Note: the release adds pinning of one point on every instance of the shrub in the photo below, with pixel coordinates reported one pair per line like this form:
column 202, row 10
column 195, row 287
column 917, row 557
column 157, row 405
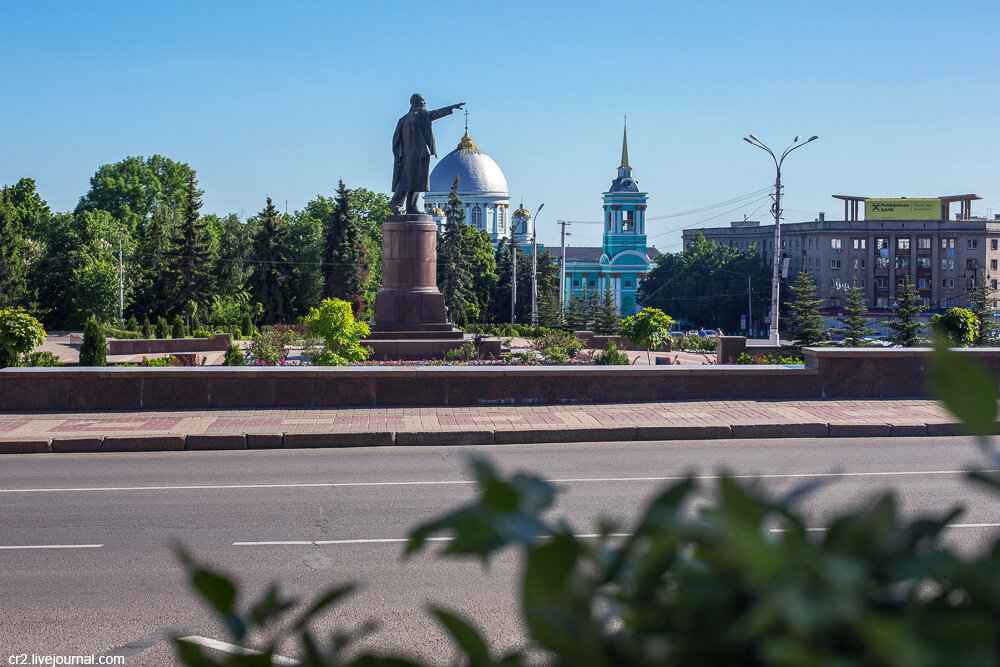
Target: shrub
column 611, row 356
column 746, row 359
column 695, row 344
column 178, row 329
column 132, row 324
column 268, row 348
column 19, row 333
column 157, row 362
column 246, row 325
column 162, row 328
column 203, row 334
column 650, row 328
column 94, row 349
column 196, row 325
column 234, row 356
column 465, row 352
column 121, row 334
column 40, row 359
column 565, row 344
column 958, row 325
column 333, row 322
column 147, row 328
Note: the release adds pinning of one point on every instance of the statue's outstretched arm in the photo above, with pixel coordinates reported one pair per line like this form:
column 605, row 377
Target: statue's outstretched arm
column 446, row 111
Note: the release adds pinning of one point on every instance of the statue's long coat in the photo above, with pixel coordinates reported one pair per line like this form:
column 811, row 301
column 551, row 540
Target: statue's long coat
column 412, row 147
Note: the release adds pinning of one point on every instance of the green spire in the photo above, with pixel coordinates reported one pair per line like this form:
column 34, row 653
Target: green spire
column 624, row 164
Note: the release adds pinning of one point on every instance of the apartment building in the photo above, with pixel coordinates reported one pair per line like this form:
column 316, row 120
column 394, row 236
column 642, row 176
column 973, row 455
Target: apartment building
column 943, row 256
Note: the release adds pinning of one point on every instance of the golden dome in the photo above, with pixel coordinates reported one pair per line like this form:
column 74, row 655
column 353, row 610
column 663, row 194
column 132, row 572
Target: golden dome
column 438, row 212
column 521, row 212
column 466, row 142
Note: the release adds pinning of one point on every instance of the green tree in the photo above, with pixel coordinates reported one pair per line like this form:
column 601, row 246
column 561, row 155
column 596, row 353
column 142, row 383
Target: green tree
column 192, row 259
column 607, row 320
column 549, row 312
column 19, row 334
column 345, row 256
column 270, row 280
column 958, row 325
column 650, row 328
column 94, row 348
column 981, row 300
column 177, row 327
column 906, row 330
column 576, row 314
column 454, row 265
column 131, row 190
column 13, row 268
column 805, row 324
column 334, row 323
column 855, row 324
column 232, row 246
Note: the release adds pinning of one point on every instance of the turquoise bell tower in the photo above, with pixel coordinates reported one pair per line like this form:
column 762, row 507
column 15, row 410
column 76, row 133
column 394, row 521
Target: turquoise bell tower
column 624, row 211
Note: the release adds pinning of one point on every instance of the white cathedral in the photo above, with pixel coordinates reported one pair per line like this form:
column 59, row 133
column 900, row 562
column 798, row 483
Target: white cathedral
column 482, row 189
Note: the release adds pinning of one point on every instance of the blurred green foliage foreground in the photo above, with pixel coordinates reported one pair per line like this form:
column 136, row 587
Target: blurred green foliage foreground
column 740, row 581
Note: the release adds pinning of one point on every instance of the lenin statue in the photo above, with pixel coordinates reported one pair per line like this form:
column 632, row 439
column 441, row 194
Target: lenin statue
column 412, row 148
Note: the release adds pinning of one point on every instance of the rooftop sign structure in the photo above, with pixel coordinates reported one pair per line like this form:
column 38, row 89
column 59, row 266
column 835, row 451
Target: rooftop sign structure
column 902, row 209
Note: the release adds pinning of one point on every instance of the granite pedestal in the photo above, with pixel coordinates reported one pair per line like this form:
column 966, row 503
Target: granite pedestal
column 410, row 319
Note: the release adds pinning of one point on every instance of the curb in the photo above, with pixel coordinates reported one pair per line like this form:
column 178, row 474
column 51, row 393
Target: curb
column 470, row 437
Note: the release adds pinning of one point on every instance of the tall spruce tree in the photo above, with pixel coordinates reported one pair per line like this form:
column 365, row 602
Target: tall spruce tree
column 549, row 312
column 905, row 328
column 607, row 321
column 12, row 251
column 454, row 274
column 191, row 261
column 855, row 324
column 345, row 256
column 270, row 281
column 981, row 300
column 805, row 324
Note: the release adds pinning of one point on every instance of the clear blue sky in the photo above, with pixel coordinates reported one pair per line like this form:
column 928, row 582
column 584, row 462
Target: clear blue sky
column 283, row 99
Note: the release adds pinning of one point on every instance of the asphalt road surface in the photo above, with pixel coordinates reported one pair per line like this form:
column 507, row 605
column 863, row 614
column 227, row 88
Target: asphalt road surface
column 86, row 565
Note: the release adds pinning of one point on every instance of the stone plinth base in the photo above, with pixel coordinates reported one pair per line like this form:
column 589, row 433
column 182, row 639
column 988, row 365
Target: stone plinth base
column 417, row 345
column 409, row 294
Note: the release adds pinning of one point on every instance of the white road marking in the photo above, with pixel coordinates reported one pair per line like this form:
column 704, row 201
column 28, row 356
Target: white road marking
column 379, row 540
column 52, row 546
column 950, row 525
column 234, row 649
column 464, row 482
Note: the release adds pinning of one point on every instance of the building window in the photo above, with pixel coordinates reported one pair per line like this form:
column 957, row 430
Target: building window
column 924, row 262
column 923, row 283
column 835, row 244
column 861, row 283
column 902, row 262
column 970, row 265
column 881, row 282
column 810, row 244
column 859, row 262
column 951, row 283
column 881, row 262
column 834, row 263
column 477, row 217
column 900, row 282
column 628, row 221
column 926, row 302
column 859, row 244
column 835, row 302
column 993, row 244
column 500, row 215
column 993, row 264
column 591, row 283
column 903, row 244
column 628, row 283
column 881, row 302
column 947, row 264
column 923, row 243
column 993, row 284
column 951, row 303
column 947, row 243
column 972, row 244
column 576, row 283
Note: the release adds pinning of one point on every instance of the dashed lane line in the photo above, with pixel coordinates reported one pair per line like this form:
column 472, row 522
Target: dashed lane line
column 13, row 547
column 234, row 649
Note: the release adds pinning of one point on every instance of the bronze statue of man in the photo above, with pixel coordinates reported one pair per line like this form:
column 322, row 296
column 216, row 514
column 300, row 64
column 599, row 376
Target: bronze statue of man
column 412, row 147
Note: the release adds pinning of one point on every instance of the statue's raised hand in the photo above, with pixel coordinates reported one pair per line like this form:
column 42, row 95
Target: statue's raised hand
column 457, row 106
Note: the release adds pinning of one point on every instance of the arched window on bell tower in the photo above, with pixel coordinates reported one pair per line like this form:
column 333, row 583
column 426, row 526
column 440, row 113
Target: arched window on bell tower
column 477, row 217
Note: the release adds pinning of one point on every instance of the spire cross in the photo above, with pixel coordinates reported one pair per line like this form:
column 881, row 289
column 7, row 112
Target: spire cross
column 624, row 164
column 466, row 121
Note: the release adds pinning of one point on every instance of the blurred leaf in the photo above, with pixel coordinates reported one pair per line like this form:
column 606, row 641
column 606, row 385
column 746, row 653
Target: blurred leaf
column 268, row 606
column 466, row 636
column 965, row 388
column 216, row 589
column 322, row 602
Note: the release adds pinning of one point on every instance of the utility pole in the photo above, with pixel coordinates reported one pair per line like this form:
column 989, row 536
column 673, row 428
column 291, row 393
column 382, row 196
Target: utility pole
column 121, row 281
column 776, row 264
column 749, row 309
column 534, row 267
column 562, row 269
column 513, row 279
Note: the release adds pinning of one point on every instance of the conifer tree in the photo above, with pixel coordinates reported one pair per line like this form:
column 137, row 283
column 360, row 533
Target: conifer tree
column 270, row 280
column 454, row 276
column 345, row 257
column 981, row 300
column 549, row 312
column 191, row 262
column 805, row 324
column 855, row 324
column 905, row 328
column 576, row 316
column 12, row 245
column 607, row 321
column 94, row 348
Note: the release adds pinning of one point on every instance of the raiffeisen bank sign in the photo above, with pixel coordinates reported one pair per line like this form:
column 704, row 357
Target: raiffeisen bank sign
column 902, row 209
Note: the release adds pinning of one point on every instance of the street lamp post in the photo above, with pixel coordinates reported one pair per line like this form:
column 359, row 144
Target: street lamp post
column 534, row 267
column 121, row 281
column 776, row 273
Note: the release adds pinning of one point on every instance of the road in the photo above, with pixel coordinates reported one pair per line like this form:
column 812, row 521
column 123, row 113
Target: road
column 328, row 514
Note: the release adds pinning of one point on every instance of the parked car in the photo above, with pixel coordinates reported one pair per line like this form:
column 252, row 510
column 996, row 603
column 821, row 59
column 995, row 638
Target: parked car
column 710, row 333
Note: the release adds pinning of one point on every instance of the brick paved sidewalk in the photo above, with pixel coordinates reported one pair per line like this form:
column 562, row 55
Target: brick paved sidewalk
column 476, row 425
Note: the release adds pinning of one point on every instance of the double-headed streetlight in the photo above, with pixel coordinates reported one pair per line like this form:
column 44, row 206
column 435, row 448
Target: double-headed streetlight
column 121, row 280
column 534, row 266
column 775, row 279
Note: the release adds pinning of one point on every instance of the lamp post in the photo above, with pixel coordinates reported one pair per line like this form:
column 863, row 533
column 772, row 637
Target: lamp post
column 121, row 281
column 776, row 274
column 534, row 266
